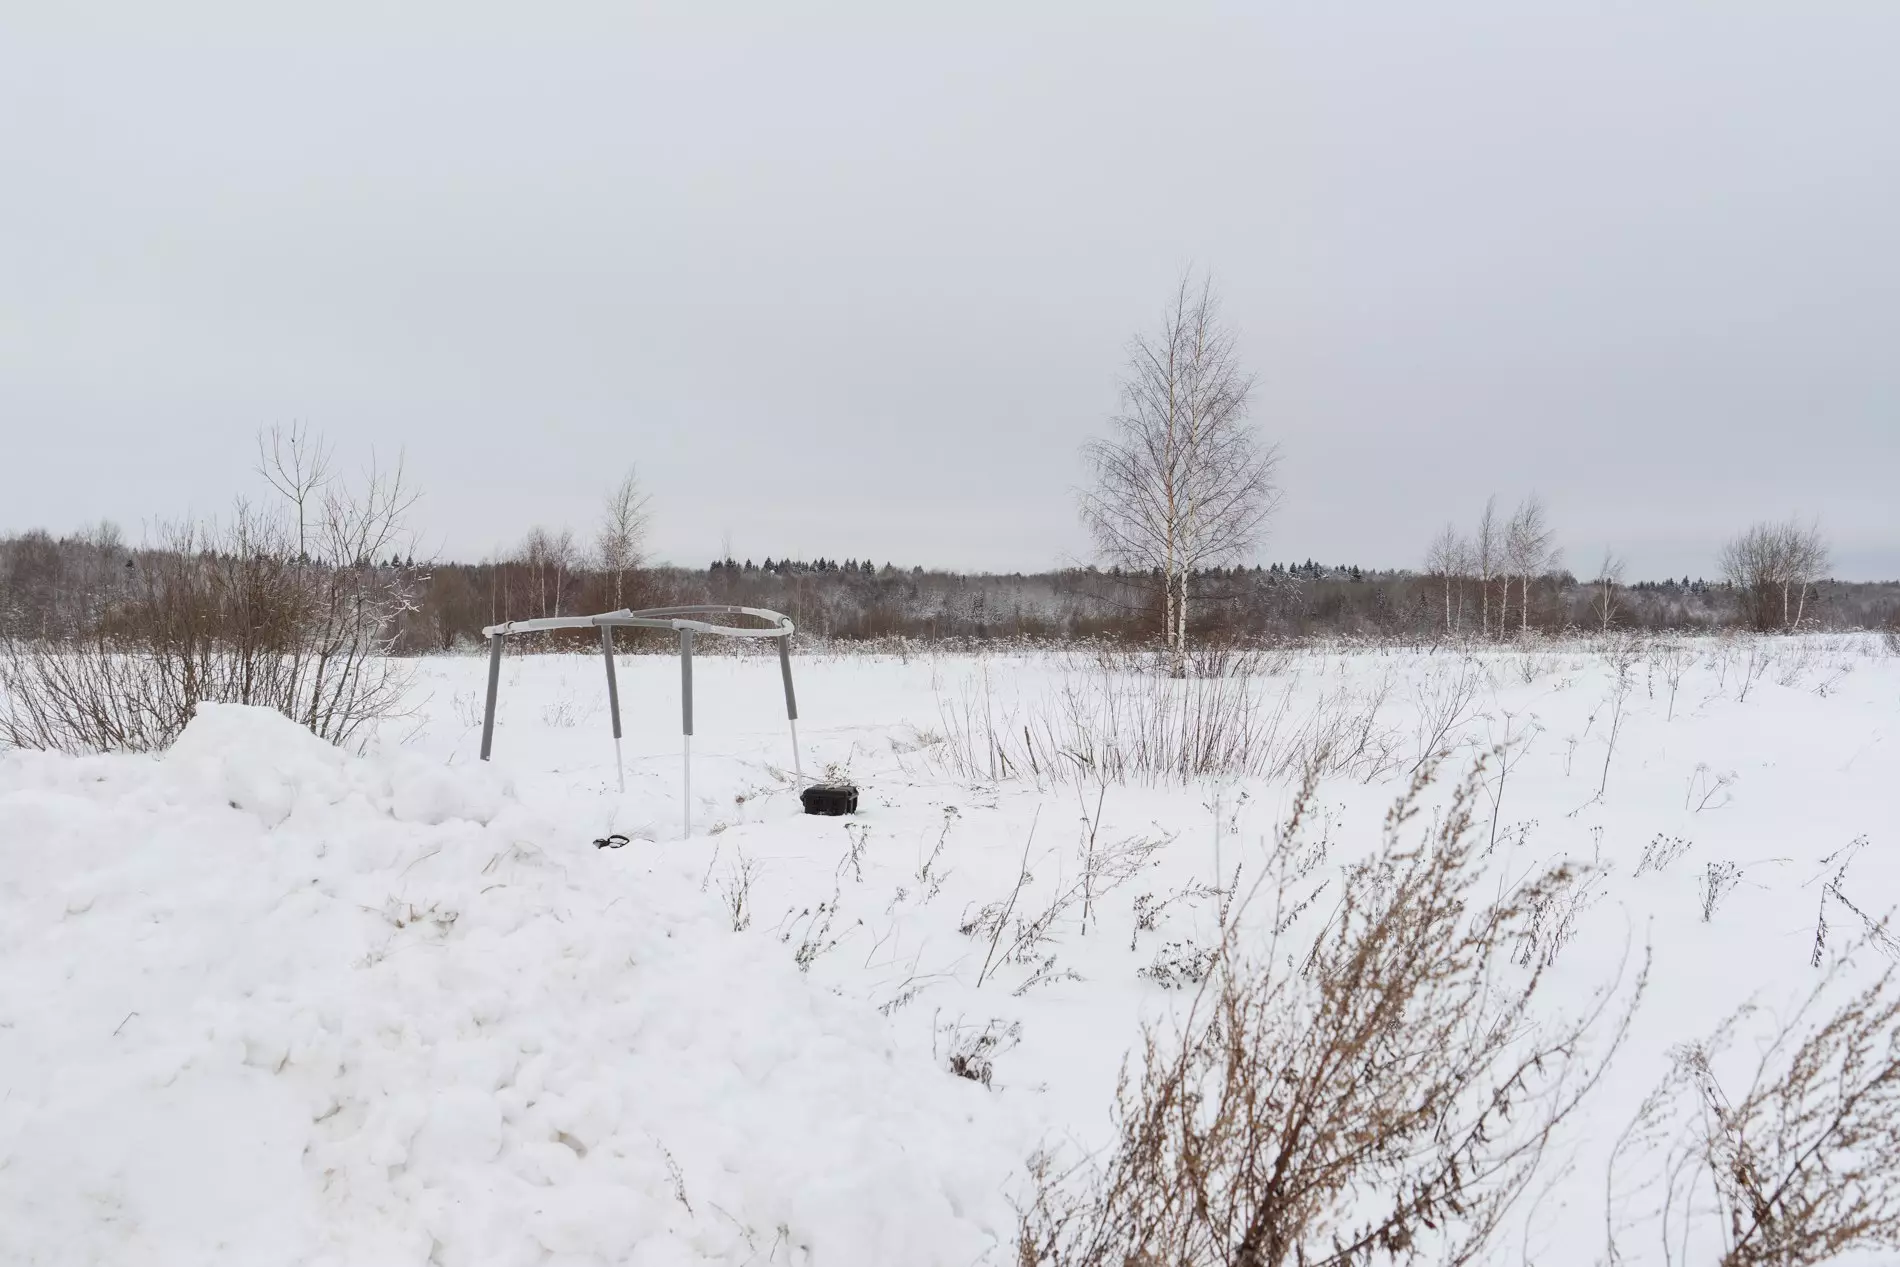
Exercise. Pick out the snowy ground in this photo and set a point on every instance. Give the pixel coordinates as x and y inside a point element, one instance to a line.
<point>266,1002</point>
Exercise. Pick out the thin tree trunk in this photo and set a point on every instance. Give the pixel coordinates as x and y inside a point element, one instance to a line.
<point>1181,614</point>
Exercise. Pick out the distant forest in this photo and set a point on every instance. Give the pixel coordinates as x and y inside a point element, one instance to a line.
<point>64,587</point>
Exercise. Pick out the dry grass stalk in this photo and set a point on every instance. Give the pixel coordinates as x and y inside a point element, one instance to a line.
<point>1803,1163</point>
<point>1383,1093</point>
<point>1105,726</point>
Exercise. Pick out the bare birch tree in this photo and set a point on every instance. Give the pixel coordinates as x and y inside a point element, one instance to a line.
<point>1608,583</point>
<point>1448,558</point>
<point>1487,549</point>
<point>1528,552</point>
<point>623,531</point>
<point>549,555</point>
<point>1181,483</point>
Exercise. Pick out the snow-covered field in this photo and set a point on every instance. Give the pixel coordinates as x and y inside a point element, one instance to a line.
<point>262,1001</point>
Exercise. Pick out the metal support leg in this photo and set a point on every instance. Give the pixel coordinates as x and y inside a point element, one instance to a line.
<point>791,704</point>
<point>613,700</point>
<point>494,685</point>
<point>686,721</point>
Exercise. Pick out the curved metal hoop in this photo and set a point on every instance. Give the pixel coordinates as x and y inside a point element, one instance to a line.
<point>675,618</point>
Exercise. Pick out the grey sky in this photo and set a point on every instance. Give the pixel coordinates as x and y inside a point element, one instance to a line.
<point>858,281</point>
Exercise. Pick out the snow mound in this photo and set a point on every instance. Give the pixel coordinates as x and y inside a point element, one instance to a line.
<point>264,764</point>
<point>262,1001</point>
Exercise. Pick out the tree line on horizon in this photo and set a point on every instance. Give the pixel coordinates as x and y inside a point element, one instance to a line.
<point>1178,497</point>
<point>62,587</point>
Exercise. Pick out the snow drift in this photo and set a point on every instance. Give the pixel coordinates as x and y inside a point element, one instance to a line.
<point>262,1001</point>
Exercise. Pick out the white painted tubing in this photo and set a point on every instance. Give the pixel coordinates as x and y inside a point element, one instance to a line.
<point>656,618</point>
<point>679,620</point>
<point>688,783</point>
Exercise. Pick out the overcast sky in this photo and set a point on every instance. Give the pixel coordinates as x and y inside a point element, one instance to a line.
<point>859,281</point>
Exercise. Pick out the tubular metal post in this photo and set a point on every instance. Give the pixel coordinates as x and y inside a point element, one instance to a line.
<point>613,700</point>
<point>686,720</point>
<point>494,685</point>
<point>682,620</point>
<point>791,703</point>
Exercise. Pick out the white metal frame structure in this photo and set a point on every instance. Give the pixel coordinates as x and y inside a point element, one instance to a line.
<point>679,619</point>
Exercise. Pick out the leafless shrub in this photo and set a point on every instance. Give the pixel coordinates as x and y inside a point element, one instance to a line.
<point>560,714</point>
<point>1110,866</point>
<point>1446,699</point>
<point>1572,889</point>
<point>1804,1162</point>
<point>971,1052</point>
<point>467,708</point>
<point>1179,964</point>
<point>1384,1095</point>
<point>735,890</point>
<point>1796,661</point>
<point>1772,566</point>
<point>1343,735</point>
<point>1149,909</point>
<point>1019,932</point>
<point>1622,652</point>
<point>1222,657</point>
<point>1719,879</point>
<point>812,926</point>
<point>1833,674</point>
<point>1115,728</point>
<point>1100,727</point>
<point>294,611</point>
<point>1035,928</point>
